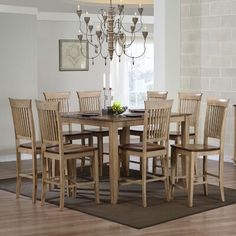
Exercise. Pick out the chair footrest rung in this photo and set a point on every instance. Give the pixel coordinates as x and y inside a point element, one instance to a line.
<point>81,184</point>
<point>27,175</point>
<point>126,181</point>
<point>213,175</point>
<point>200,182</point>
<point>136,162</point>
<point>180,186</point>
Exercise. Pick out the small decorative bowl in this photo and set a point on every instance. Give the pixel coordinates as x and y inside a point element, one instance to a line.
<point>110,111</point>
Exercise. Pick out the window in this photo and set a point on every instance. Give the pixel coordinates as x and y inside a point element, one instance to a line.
<point>131,82</point>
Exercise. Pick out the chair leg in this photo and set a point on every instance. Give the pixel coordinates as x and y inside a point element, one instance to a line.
<point>154,165</point>
<point>221,177</point>
<point>205,186</point>
<point>18,171</point>
<point>173,171</point>
<point>44,176</point>
<point>62,183</point>
<point>144,181</point>
<point>72,178</point>
<point>35,177</point>
<point>96,176</point>
<point>191,179</point>
<point>166,174</point>
<point>82,159</point>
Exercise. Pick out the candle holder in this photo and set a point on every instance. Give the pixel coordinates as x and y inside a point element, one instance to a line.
<point>110,96</point>
<point>107,97</point>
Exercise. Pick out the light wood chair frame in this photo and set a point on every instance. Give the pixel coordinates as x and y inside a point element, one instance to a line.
<point>138,131</point>
<point>189,102</point>
<point>90,101</point>
<point>51,134</point>
<point>25,142</point>
<point>155,144</point>
<point>214,129</point>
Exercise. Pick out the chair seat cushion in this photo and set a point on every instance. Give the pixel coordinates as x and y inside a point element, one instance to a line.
<point>138,147</point>
<point>29,145</point>
<point>76,133</point>
<point>176,134</point>
<point>196,147</point>
<point>71,149</point>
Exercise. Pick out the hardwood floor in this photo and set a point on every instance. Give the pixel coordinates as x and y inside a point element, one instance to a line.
<point>20,217</point>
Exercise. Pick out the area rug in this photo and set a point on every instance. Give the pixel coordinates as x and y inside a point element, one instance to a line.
<point>129,210</point>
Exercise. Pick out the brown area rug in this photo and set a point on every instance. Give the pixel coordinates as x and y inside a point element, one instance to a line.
<point>129,210</point>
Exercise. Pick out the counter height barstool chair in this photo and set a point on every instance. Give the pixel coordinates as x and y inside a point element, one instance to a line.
<point>51,134</point>
<point>138,131</point>
<point>155,144</point>
<point>25,141</point>
<point>90,101</point>
<point>189,102</point>
<point>68,133</point>
<point>214,129</point>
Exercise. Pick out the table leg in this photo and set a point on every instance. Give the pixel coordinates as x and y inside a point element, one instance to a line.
<point>234,135</point>
<point>113,162</point>
<point>185,140</point>
<point>125,138</point>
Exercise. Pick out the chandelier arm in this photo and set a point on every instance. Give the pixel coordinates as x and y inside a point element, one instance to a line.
<point>136,30</point>
<point>87,56</point>
<point>100,48</point>
<point>103,29</point>
<point>119,54</point>
<point>80,27</point>
<point>86,27</point>
<point>135,57</point>
<point>131,41</point>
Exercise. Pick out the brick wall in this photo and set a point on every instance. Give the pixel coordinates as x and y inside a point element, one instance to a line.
<point>208,54</point>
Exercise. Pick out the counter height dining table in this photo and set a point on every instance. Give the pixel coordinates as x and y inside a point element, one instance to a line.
<point>113,123</point>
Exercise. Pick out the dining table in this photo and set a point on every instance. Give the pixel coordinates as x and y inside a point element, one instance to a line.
<point>113,123</point>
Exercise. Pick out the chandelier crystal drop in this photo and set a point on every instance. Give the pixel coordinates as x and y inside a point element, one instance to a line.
<point>111,36</point>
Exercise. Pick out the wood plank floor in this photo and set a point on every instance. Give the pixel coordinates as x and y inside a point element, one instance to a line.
<point>20,217</point>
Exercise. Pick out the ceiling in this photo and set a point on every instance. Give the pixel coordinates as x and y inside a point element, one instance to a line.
<point>86,5</point>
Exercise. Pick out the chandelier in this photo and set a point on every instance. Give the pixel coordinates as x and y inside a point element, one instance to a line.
<point>111,36</point>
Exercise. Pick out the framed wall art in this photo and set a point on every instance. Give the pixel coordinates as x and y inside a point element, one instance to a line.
<point>73,55</point>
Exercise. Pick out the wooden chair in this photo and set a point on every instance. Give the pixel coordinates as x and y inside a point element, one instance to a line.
<point>188,103</point>
<point>214,129</point>
<point>51,134</point>
<point>138,131</point>
<point>155,144</point>
<point>90,101</point>
<point>25,141</point>
<point>69,134</point>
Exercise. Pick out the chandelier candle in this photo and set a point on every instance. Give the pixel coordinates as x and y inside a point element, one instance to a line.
<point>111,36</point>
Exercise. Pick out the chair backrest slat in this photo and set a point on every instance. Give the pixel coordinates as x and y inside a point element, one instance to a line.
<point>157,120</point>
<point>62,97</point>
<point>49,121</point>
<point>215,118</point>
<point>23,118</point>
<point>190,103</point>
<point>156,95</point>
<point>89,100</point>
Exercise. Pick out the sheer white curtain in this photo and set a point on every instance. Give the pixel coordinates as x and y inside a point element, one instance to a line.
<point>131,82</point>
